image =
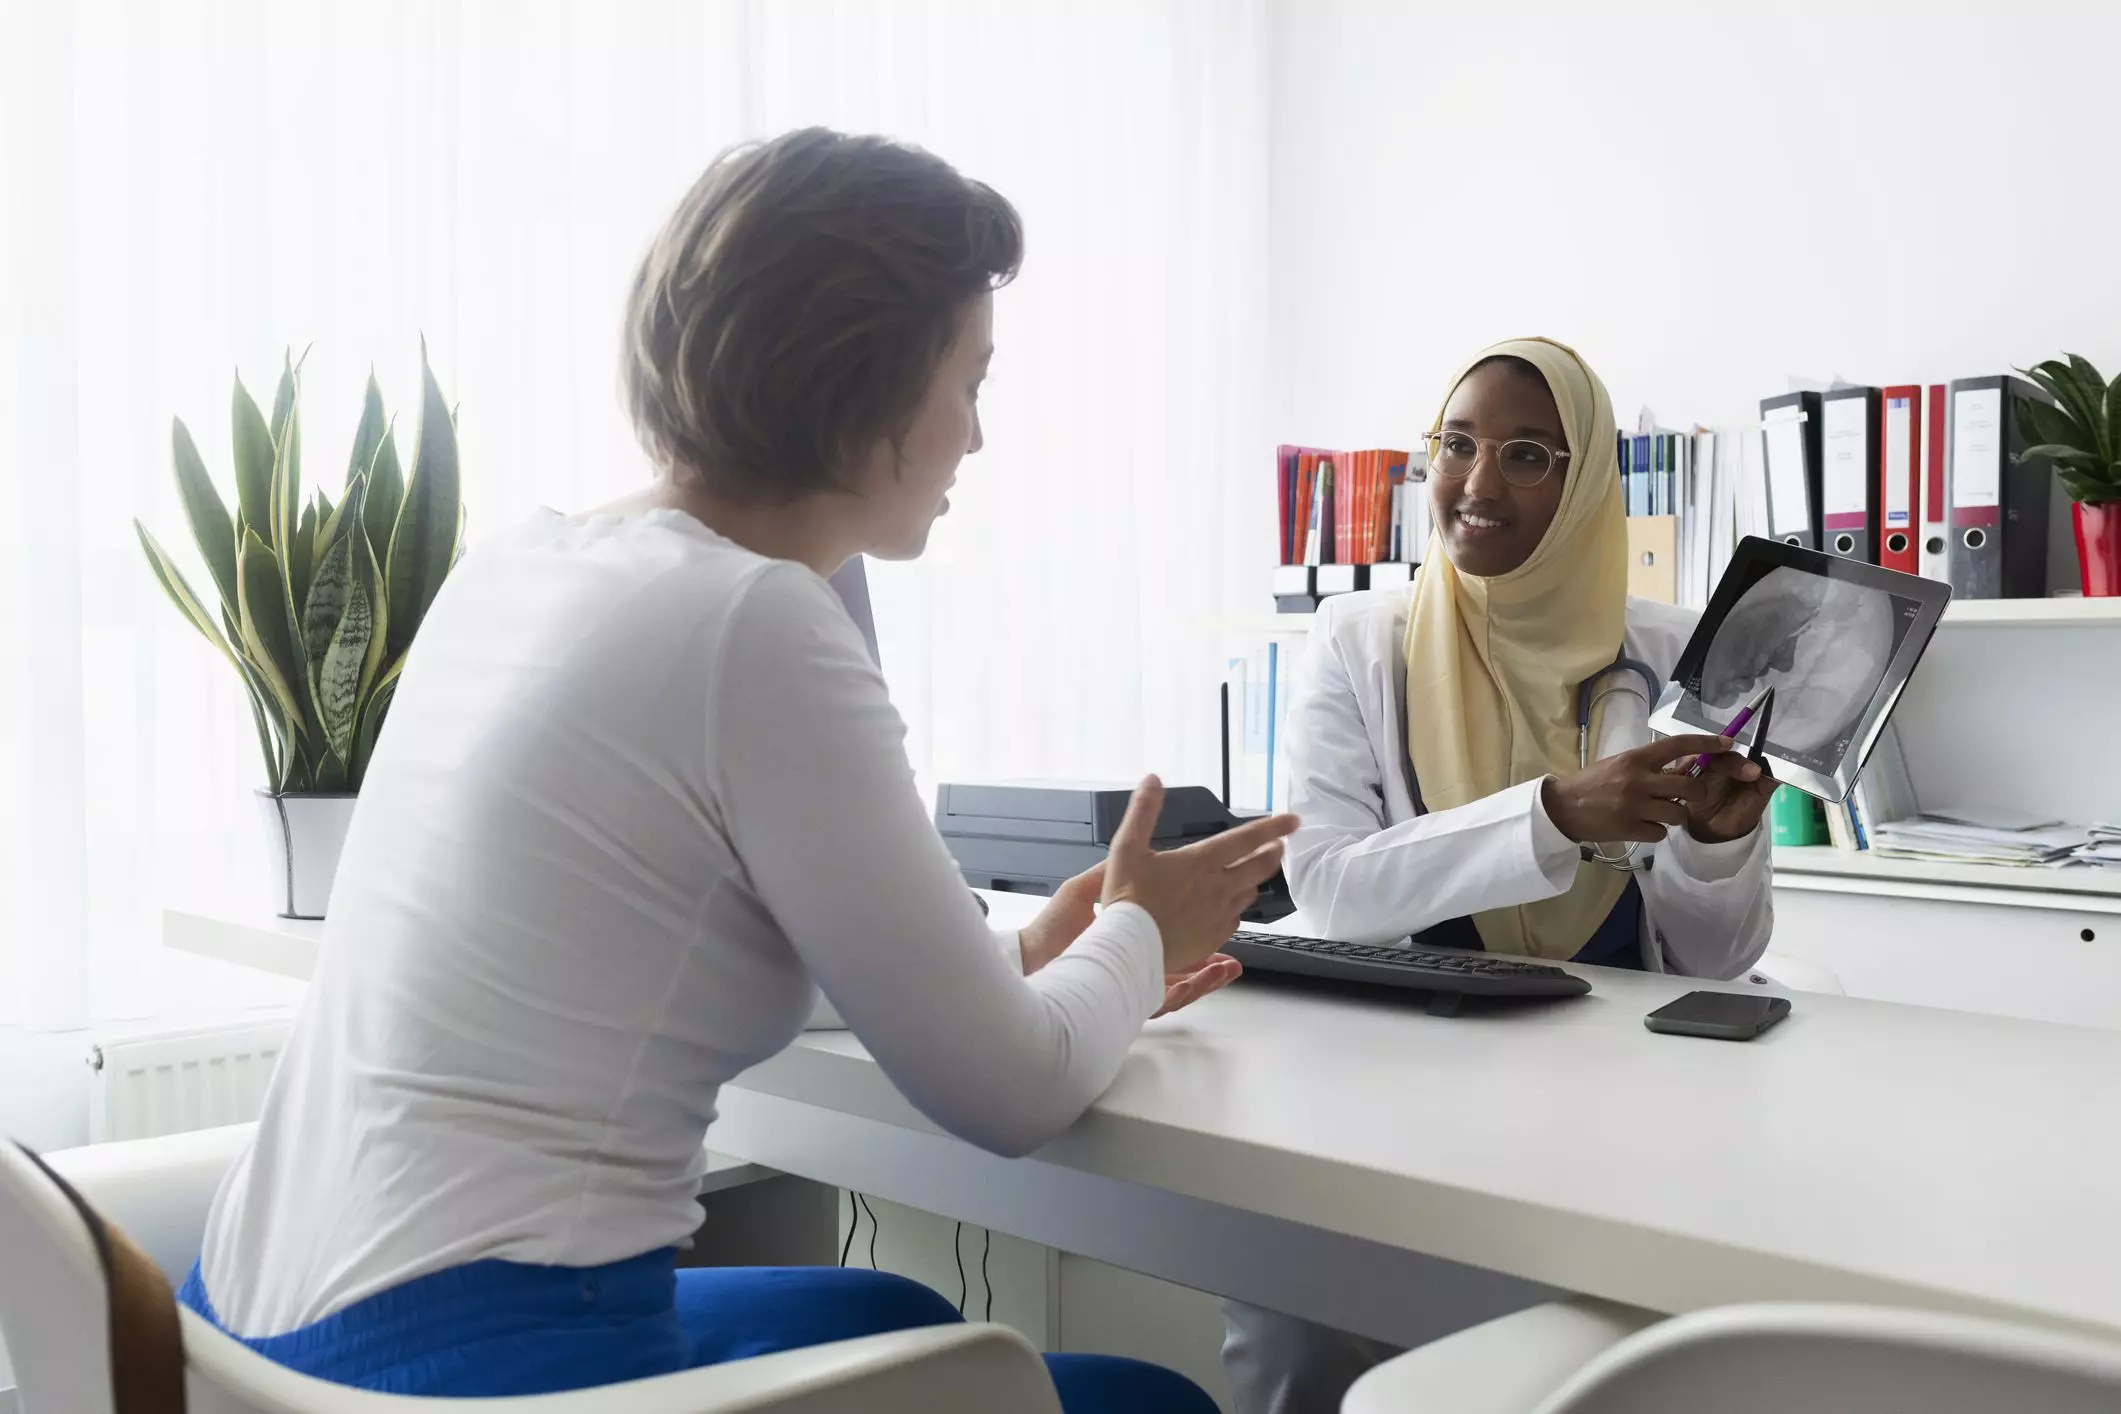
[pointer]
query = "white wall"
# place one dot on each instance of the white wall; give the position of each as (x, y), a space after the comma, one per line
(1705, 199)
(44, 1087)
(1702, 198)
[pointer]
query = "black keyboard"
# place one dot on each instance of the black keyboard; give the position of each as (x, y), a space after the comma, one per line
(1446, 974)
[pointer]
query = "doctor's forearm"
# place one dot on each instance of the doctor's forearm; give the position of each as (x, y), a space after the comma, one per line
(1712, 905)
(1380, 885)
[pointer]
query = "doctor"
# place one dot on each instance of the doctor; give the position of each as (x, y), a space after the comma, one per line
(1471, 760)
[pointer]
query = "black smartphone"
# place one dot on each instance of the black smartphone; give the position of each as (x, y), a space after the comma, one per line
(1720, 1016)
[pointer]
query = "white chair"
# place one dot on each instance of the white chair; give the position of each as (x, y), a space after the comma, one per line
(1579, 1357)
(92, 1327)
(1794, 974)
(1504, 1366)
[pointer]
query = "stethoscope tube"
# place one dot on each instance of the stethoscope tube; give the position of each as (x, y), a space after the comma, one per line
(1587, 697)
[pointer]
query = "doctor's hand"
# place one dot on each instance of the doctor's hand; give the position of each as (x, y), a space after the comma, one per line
(1637, 795)
(1195, 894)
(1736, 795)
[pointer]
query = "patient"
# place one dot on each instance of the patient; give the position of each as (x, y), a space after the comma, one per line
(643, 793)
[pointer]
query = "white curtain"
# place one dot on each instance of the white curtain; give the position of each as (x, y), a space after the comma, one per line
(189, 187)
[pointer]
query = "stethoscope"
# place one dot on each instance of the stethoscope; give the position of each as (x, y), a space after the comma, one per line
(1588, 696)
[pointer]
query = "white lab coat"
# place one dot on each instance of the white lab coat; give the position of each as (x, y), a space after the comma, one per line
(1366, 867)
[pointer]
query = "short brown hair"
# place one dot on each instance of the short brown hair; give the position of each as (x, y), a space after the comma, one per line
(794, 308)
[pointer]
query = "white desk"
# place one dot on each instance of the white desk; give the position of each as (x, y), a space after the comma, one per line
(1369, 1166)
(1308, 1152)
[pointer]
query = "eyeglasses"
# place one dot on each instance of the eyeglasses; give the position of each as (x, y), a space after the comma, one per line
(1521, 461)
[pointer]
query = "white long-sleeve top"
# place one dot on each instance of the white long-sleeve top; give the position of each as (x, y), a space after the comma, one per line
(641, 794)
(1367, 866)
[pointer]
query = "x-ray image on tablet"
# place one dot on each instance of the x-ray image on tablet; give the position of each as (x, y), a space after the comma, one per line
(1835, 638)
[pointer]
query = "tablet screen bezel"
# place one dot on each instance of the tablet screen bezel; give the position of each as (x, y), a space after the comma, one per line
(1676, 714)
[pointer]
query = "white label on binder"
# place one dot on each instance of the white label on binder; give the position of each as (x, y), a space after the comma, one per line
(1977, 447)
(1899, 447)
(1789, 508)
(1846, 492)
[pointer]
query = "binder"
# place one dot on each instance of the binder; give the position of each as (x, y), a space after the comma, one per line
(1848, 478)
(1319, 538)
(1653, 558)
(1710, 525)
(1376, 476)
(1341, 544)
(1794, 818)
(1900, 479)
(1789, 446)
(1273, 718)
(1936, 485)
(1997, 546)
(1295, 468)
(1295, 589)
(1387, 573)
(1725, 465)
(1342, 579)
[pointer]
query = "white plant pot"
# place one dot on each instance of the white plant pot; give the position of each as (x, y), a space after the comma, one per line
(303, 836)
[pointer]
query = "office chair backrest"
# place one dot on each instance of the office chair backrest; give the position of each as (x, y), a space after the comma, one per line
(851, 583)
(90, 1323)
(1847, 1359)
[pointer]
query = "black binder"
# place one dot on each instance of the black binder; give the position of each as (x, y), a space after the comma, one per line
(1999, 505)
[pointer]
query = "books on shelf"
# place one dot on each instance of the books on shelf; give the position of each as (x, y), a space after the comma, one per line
(1682, 492)
(1346, 509)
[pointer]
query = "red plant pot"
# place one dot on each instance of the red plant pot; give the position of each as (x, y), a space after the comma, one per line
(2099, 548)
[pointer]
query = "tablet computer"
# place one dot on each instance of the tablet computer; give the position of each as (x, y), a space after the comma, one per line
(1836, 638)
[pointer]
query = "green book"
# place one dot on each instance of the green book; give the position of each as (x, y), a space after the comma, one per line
(1794, 818)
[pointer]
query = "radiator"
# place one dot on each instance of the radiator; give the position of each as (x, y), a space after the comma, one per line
(168, 1082)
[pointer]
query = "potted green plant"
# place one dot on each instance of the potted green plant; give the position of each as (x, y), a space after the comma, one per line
(318, 602)
(2081, 435)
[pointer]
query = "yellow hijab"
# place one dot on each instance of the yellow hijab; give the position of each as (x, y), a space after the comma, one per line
(1493, 664)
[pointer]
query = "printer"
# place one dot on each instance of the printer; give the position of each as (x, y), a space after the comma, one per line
(1029, 837)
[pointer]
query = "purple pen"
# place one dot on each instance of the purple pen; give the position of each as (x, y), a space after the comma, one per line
(1730, 733)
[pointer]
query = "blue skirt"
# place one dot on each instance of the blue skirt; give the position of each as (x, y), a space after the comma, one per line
(504, 1328)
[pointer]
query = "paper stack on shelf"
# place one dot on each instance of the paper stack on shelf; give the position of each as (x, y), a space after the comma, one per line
(2104, 848)
(1951, 837)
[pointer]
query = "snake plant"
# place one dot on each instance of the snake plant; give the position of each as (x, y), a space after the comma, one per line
(2081, 433)
(318, 601)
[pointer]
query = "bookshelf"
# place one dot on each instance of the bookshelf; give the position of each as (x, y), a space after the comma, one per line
(2068, 612)
(1821, 866)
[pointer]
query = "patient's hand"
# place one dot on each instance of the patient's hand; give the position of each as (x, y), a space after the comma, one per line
(1185, 988)
(1071, 910)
